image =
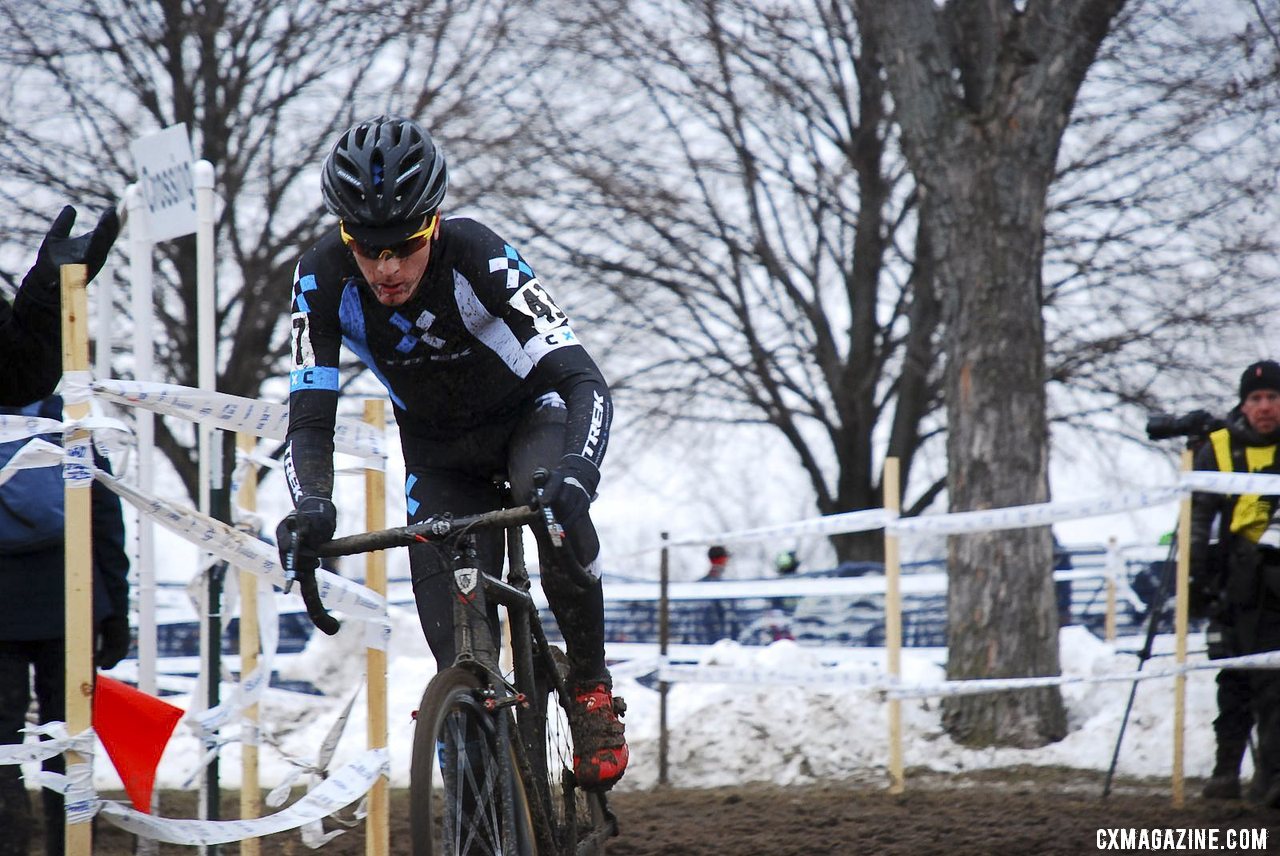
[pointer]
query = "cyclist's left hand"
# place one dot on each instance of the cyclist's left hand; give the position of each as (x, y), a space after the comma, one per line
(570, 488)
(311, 525)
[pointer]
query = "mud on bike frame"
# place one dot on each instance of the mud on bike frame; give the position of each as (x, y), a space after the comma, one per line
(541, 809)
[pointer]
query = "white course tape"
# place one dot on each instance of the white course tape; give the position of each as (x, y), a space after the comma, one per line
(34, 454)
(634, 668)
(77, 387)
(872, 583)
(881, 683)
(1025, 516)
(248, 553)
(250, 690)
(59, 742)
(235, 413)
(1263, 484)
(343, 788)
(776, 677)
(1014, 517)
(850, 521)
(77, 465)
(1266, 660)
(80, 799)
(20, 427)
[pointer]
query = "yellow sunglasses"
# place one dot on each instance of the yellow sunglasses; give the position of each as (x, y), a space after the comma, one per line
(399, 250)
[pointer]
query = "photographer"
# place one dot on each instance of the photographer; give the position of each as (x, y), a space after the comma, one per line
(1235, 583)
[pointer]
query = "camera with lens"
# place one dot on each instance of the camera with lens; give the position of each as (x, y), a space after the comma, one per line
(1197, 424)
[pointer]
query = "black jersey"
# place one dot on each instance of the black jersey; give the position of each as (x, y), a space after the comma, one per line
(479, 339)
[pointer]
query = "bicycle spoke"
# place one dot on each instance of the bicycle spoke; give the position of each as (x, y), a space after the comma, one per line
(463, 801)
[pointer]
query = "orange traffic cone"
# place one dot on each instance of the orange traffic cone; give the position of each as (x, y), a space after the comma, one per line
(134, 727)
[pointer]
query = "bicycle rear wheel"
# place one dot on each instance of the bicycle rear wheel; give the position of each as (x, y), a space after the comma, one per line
(466, 798)
(579, 821)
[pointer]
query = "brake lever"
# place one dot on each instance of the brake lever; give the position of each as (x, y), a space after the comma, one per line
(291, 566)
(554, 529)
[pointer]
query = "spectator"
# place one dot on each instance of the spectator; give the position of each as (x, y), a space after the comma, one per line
(715, 618)
(787, 563)
(1235, 583)
(1062, 588)
(31, 328)
(718, 557)
(32, 620)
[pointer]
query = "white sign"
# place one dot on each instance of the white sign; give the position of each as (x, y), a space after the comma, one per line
(164, 162)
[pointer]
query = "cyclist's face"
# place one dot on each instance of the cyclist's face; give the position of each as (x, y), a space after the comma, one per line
(1261, 408)
(394, 280)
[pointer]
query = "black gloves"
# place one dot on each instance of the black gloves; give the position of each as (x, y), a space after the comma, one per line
(59, 248)
(311, 525)
(112, 642)
(570, 487)
(1201, 600)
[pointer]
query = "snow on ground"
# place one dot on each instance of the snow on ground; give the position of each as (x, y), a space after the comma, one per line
(728, 734)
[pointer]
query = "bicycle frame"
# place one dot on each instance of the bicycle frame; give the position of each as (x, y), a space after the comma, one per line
(477, 648)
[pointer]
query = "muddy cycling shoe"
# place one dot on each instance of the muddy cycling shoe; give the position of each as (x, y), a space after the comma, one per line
(600, 745)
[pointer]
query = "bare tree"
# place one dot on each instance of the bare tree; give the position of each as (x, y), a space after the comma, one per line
(741, 197)
(983, 93)
(264, 90)
(1160, 238)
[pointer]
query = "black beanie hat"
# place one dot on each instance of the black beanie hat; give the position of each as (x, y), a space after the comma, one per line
(1260, 375)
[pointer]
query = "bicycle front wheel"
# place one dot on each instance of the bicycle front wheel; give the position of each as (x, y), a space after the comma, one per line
(466, 797)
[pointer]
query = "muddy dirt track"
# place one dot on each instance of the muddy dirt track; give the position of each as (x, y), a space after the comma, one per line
(1025, 811)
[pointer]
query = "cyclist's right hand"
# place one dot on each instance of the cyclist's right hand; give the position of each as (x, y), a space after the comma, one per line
(306, 528)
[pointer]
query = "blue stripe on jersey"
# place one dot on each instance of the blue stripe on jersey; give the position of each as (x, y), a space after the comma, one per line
(315, 377)
(305, 284)
(351, 315)
(411, 504)
(401, 323)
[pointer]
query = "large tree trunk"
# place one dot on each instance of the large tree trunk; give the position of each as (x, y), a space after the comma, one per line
(1001, 611)
(983, 90)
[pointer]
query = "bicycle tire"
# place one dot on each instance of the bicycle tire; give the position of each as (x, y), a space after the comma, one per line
(456, 744)
(580, 822)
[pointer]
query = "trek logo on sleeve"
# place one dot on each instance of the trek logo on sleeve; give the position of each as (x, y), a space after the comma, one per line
(597, 425)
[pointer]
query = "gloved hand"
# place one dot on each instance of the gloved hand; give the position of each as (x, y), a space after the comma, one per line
(310, 525)
(112, 642)
(1201, 600)
(59, 248)
(570, 488)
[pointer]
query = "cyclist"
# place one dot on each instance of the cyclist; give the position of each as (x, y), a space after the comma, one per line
(485, 375)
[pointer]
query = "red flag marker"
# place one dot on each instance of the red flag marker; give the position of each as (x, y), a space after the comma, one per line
(134, 727)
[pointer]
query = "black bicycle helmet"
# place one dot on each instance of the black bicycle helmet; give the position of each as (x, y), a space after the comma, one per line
(386, 171)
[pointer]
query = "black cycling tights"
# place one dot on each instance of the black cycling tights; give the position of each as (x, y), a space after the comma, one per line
(458, 477)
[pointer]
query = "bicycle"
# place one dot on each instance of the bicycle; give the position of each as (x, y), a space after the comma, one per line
(500, 747)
